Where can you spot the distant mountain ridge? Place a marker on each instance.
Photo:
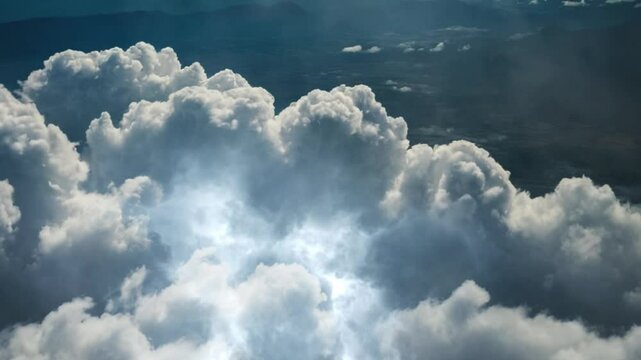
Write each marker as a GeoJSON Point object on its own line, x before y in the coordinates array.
{"type": "Point", "coordinates": [11, 11]}
{"type": "Point", "coordinates": [47, 35]}
{"type": "Point", "coordinates": [344, 16]}
{"type": "Point", "coordinates": [288, 8]}
{"type": "Point", "coordinates": [283, 8]}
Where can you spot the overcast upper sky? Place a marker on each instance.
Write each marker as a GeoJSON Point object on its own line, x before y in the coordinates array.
{"type": "Point", "coordinates": [12, 10]}
{"type": "Point", "coordinates": [16, 10]}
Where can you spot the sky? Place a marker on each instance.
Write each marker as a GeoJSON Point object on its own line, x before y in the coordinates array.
{"type": "Point", "coordinates": [153, 207]}
{"type": "Point", "coordinates": [14, 10]}
{"type": "Point", "coordinates": [34, 8]}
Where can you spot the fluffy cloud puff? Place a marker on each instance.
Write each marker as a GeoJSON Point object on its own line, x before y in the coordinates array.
{"type": "Point", "coordinates": [290, 235]}
{"type": "Point", "coordinates": [9, 213]}
{"type": "Point", "coordinates": [54, 225]}
{"type": "Point", "coordinates": [38, 161]}
{"type": "Point", "coordinates": [463, 327]}
{"type": "Point", "coordinates": [273, 314]}
{"type": "Point", "coordinates": [233, 134]}
{"type": "Point", "coordinates": [277, 313]}
{"type": "Point", "coordinates": [578, 243]}
{"type": "Point", "coordinates": [105, 81]}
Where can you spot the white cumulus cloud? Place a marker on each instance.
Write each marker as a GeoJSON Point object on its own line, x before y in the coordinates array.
{"type": "Point", "coordinates": [198, 222]}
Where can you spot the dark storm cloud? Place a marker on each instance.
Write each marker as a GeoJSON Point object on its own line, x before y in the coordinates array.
{"type": "Point", "coordinates": [314, 232]}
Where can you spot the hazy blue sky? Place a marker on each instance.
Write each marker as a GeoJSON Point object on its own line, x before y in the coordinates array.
{"type": "Point", "coordinates": [13, 10]}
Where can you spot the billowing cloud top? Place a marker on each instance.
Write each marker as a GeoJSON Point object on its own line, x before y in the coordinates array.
{"type": "Point", "coordinates": [196, 222]}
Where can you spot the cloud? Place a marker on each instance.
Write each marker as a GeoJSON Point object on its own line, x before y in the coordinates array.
{"type": "Point", "coordinates": [106, 80]}
{"type": "Point", "coordinates": [574, 3]}
{"type": "Point", "coordinates": [360, 49]}
{"type": "Point", "coordinates": [438, 47]}
{"type": "Point", "coordinates": [9, 213]}
{"type": "Point", "coordinates": [197, 220]}
{"type": "Point", "coordinates": [353, 49]}
{"type": "Point", "coordinates": [274, 314]}
{"type": "Point", "coordinates": [394, 85]}
{"type": "Point", "coordinates": [374, 50]}
{"type": "Point", "coordinates": [277, 313]}
{"type": "Point", "coordinates": [463, 327]}
{"type": "Point", "coordinates": [403, 89]}
{"type": "Point", "coordinates": [299, 147]}
{"type": "Point", "coordinates": [108, 224]}
{"type": "Point", "coordinates": [463, 204]}
{"type": "Point", "coordinates": [63, 240]}
{"type": "Point", "coordinates": [39, 163]}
